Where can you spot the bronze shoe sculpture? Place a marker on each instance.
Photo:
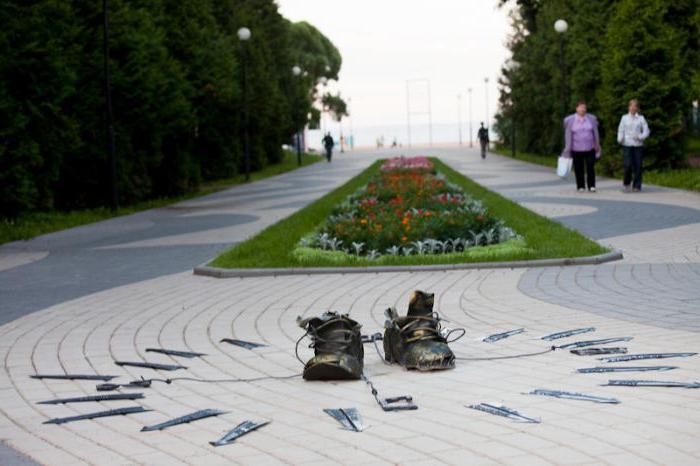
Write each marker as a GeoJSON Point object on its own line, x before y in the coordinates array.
{"type": "Point", "coordinates": [415, 341]}
{"type": "Point", "coordinates": [337, 344]}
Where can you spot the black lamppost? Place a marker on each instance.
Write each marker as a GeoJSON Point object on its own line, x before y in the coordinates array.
{"type": "Point", "coordinates": [296, 71]}
{"type": "Point", "coordinates": [561, 27]}
{"type": "Point", "coordinates": [109, 120]}
{"type": "Point", "coordinates": [244, 35]}
{"type": "Point", "coordinates": [471, 133]}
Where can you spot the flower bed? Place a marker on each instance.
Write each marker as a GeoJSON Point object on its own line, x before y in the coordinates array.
{"type": "Point", "coordinates": [408, 208]}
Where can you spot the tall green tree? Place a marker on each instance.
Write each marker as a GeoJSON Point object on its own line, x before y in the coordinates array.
{"type": "Point", "coordinates": [647, 57]}
{"type": "Point", "coordinates": [177, 69]}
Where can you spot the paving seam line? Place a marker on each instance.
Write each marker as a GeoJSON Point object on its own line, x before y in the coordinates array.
{"type": "Point", "coordinates": [219, 272]}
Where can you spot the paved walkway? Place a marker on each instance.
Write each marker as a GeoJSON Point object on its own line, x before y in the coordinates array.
{"type": "Point", "coordinates": [653, 296]}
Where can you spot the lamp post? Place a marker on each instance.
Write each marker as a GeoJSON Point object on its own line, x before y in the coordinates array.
{"type": "Point", "coordinates": [109, 120]}
{"type": "Point", "coordinates": [296, 71]}
{"type": "Point", "coordinates": [471, 134]}
{"type": "Point", "coordinates": [486, 95]}
{"type": "Point", "coordinates": [352, 132]}
{"type": "Point", "coordinates": [459, 117]}
{"type": "Point", "coordinates": [324, 82]}
{"type": "Point", "coordinates": [243, 36]}
{"type": "Point", "coordinates": [561, 26]}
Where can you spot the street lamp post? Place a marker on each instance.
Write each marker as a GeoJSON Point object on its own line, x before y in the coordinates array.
{"type": "Point", "coordinates": [561, 26]}
{"type": "Point", "coordinates": [471, 134]}
{"type": "Point", "coordinates": [243, 36]}
{"type": "Point", "coordinates": [324, 82]}
{"type": "Point", "coordinates": [459, 117]}
{"type": "Point", "coordinates": [111, 151]}
{"type": "Point", "coordinates": [296, 71]}
{"type": "Point", "coordinates": [486, 94]}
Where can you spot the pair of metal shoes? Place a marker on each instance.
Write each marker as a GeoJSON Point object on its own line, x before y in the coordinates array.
{"type": "Point", "coordinates": [415, 341]}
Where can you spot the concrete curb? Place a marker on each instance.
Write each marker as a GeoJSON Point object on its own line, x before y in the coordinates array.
{"type": "Point", "coordinates": [218, 272]}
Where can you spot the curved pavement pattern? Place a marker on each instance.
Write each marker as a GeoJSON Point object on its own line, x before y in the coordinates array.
{"type": "Point", "coordinates": [653, 296]}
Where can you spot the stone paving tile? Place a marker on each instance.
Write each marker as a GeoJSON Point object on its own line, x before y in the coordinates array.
{"type": "Point", "coordinates": [652, 296]}
{"type": "Point", "coordinates": [195, 313]}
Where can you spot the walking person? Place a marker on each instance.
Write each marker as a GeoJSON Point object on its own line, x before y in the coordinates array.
{"type": "Point", "coordinates": [631, 133]}
{"type": "Point", "coordinates": [328, 143]}
{"type": "Point", "coordinates": [483, 136]}
{"type": "Point", "coordinates": [582, 143]}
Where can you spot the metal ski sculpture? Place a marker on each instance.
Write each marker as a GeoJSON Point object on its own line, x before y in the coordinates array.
{"type": "Point", "coordinates": [86, 399]}
{"type": "Point", "coordinates": [105, 378]}
{"type": "Point", "coordinates": [591, 370]}
{"type": "Point", "coordinates": [651, 383]}
{"type": "Point", "coordinates": [169, 352]}
{"type": "Point", "coordinates": [396, 403]}
{"type": "Point", "coordinates": [142, 383]}
{"type": "Point", "coordinates": [349, 418]}
{"type": "Point", "coordinates": [605, 341]}
{"type": "Point", "coordinates": [197, 415]}
{"type": "Point", "coordinates": [504, 412]}
{"type": "Point", "coordinates": [240, 430]}
{"type": "Point", "coordinates": [597, 351]}
{"type": "Point", "coordinates": [637, 357]}
{"type": "Point", "coordinates": [567, 333]}
{"type": "Point", "coordinates": [502, 335]}
{"type": "Point", "coordinates": [111, 412]}
{"type": "Point", "coordinates": [573, 396]}
{"type": "Point", "coordinates": [243, 344]}
{"type": "Point", "coordinates": [150, 365]}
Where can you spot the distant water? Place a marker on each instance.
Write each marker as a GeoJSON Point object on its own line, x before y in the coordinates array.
{"type": "Point", "coordinates": [367, 136]}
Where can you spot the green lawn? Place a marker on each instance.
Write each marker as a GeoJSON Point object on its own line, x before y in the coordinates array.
{"type": "Point", "coordinates": [34, 224]}
{"type": "Point", "coordinates": [277, 245]}
{"type": "Point", "coordinates": [685, 178]}
{"type": "Point", "coordinates": [547, 161]}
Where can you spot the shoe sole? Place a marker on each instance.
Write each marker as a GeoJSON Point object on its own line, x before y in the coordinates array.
{"type": "Point", "coordinates": [324, 371]}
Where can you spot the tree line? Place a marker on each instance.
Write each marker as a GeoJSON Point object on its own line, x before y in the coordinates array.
{"type": "Point", "coordinates": [176, 70]}
{"type": "Point", "coordinates": [614, 51]}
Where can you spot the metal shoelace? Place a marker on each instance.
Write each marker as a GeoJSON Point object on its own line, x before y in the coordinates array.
{"type": "Point", "coordinates": [417, 330]}
{"type": "Point", "coordinates": [326, 344]}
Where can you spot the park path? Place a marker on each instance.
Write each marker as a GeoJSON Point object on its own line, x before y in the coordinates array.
{"type": "Point", "coordinates": [653, 296]}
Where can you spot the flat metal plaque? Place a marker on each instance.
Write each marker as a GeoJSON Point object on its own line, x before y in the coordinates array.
{"type": "Point", "coordinates": [567, 333]}
{"type": "Point", "coordinates": [349, 418]}
{"type": "Point", "coordinates": [240, 430]}
{"type": "Point", "coordinates": [502, 335]}
{"type": "Point", "coordinates": [111, 412]}
{"type": "Point", "coordinates": [150, 365]}
{"type": "Point", "coordinates": [197, 415]}
{"type": "Point", "coordinates": [242, 343]}
{"type": "Point", "coordinates": [170, 352]}
{"type": "Point", "coordinates": [93, 398]}
{"type": "Point", "coordinates": [104, 378]}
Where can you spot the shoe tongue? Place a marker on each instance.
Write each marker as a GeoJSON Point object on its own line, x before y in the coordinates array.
{"type": "Point", "coordinates": [419, 309]}
{"type": "Point", "coordinates": [421, 304]}
{"type": "Point", "coordinates": [419, 312]}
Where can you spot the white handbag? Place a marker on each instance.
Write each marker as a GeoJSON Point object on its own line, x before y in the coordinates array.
{"type": "Point", "coordinates": [564, 166]}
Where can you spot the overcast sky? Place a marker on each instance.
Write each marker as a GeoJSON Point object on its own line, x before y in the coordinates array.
{"type": "Point", "coordinates": [454, 43]}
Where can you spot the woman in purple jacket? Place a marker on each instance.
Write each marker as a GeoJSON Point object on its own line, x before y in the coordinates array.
{"type": "Point", "coordinates": [582, 142]}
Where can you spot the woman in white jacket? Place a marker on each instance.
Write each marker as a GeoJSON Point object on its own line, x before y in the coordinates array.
{"type": "Point", "coordinates": [631, 133]}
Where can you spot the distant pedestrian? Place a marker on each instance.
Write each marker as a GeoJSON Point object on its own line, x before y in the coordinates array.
{"type": "Point", "coordinates": [328, 143]}
{"type": "Point", "coordinates": [483, 136]}
{"type": "Point", "coordinates": [631, 133]}
{"type": "Point", "coordinates": [582, 143]}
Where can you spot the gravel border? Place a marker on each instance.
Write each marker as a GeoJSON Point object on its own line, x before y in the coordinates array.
{"type": "Point", "coordinates": [218, 272]}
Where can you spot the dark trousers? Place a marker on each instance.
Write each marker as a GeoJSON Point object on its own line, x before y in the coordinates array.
{"type": "Point", "coordinates": [484, 146]}
{"type": "Point", "coordinates": [584, 167]}
{"type": "Point", "coordinates": [632, 161]}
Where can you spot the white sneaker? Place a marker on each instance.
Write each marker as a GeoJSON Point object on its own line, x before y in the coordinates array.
{"type": "Point", "coordinates": [592, 189]}
{"type": "Point", "coordinates": [581, 190]}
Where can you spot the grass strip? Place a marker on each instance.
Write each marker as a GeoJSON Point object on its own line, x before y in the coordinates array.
{"type": "Point", "coordinates": [278, 245]}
